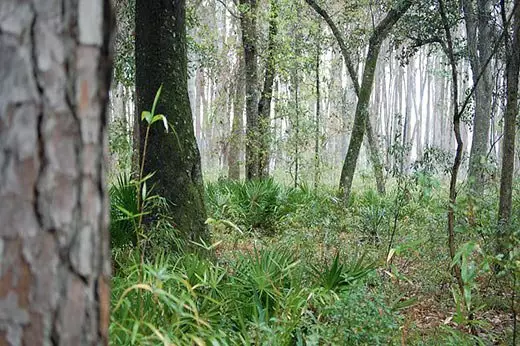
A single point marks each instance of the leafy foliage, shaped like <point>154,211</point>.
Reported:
<point>124,211</point>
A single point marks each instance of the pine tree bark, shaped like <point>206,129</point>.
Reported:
<point>161,59</point>
<point>55,64</point>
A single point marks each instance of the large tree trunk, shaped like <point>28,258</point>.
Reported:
<point>479,35</point>
<point>248,25</point>
<point>174,156</point>
<point>54,260</point>
<point>508,154</point>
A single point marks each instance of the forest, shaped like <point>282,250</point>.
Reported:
<point>259,172</point>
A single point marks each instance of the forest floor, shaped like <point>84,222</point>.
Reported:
<point>299,267</point>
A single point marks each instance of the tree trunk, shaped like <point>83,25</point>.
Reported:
<point>295,78</point>
<point>54,259</point>
<point>264,105</point>
<point>248,25</point>
<point>376,39</point>
<point>460,146</point>
<point>479,35</point>
<point>375,158</point>
<point>508,154</point>
<point>236,140</point>
<point>161,59</point>
<point>317,121</point>
<point>361,115</point>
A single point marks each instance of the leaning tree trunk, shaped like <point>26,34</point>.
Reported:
<point>54,249</point>
<point>386,24</point>
<point>161,59</point>
<point>365,90</point>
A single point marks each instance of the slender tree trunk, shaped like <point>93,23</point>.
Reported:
<point>479,35</point>
<point>173,156</point>
<point>376,39</point>
<point>199,91</point>
<point>373,147</point>
<point>249,38</point>
<point>296,83</point>
<point>458,155</point>
<point>236,140</point>
<point>264,105</point>
<point>54,257</point>
<point>508,146</point>
<point>317,121</point>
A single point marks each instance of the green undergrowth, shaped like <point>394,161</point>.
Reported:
<point>266,297</point>
<point>297,266</point>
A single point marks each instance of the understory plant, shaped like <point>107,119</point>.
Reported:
<point>267,297</point>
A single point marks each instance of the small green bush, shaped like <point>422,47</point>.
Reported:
<point>253,205</point>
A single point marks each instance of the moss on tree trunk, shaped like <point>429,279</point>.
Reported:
<point>161,58</point>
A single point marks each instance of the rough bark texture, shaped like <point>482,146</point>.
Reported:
<point>479,34</point>
<point>248,25</point>
<point>264,105</point>
<point>508,153</point>
<point>54,250</point>
<point>161,58</point>
<point>365,90</point>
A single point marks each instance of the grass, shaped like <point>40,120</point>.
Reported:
<point>294,266</point>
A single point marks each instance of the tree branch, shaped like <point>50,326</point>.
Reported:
<point>341,42</point>
<point>228,9</point>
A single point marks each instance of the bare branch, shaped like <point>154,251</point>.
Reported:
<point>339,37</point>
<point>231,12</point>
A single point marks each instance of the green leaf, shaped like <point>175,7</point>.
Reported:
<point>144,191</point>
<point>163,118</point>
<point>134,332</point>
<point>145,115</point>
<point>400,303</point>
<point>157,95</point>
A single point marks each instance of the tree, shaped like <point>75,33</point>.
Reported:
<point>264,105</point>
<point>363,91</point>
<point>236,138</point>
<point>249,38</point>
<point>512,44</point>
<point>479,36</point>
<point>54,258</point>
<point>161,59</point>
<point>258,104</point>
